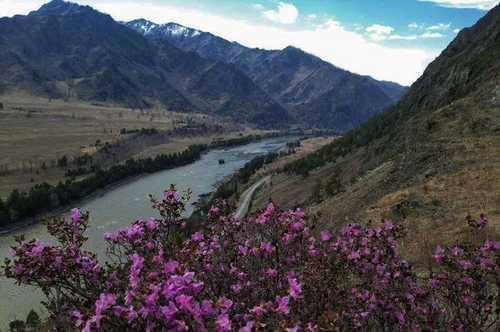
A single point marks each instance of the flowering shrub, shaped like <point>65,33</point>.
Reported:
<point>269,272</point>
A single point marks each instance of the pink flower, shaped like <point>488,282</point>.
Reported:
<point>214,212</point>
<point>295,290</point>
<point>184,302</point>
<point>283,305</point>
<point>36,250</point>
<point>456,251</point>
<point>258,310</point>
<point>198,236</point>
<point>243,250</point>
<point>223,323</point>
<point>75,215</point>
<point>354,255</point>
<point>248,326</point>
<point>111,237</point>
<point>236,288</point>
<point>271,273</point>
<point>264,217</point>
<point>287,238</point>
<point>207,308</point>
<point>171,266</point>
<point>172,196</point>
<point>78,317</point>
<point>468,281</point>
<point>400,317</point>
<point>439,255</point>
<point>152,224</point>
<point>465,264</point>
<point>225,304</point>
<point>325,236</point>
<point>297,226</point>
<point>388,225</point>
<point>267,247</point>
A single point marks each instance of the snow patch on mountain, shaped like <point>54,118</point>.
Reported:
<point>170,29</point>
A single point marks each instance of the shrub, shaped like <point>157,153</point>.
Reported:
<point>269,272</point>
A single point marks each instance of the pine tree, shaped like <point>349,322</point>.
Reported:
<point>33,320</point>
<point>4,214</point>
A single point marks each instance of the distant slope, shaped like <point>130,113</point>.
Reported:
<point>314,91</point>
<point>65,50</point>
<point>433,160</point>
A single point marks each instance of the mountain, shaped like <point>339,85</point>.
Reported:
<point>432,161</point>
<point>312,90</point>
<point>72,51</point>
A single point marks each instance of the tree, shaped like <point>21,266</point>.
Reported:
<point>63,162</point>
<point>316,192</point>
<point>33,320</point>
<point>333,185</point>
<point>4,214</point>
<point>17,326</point>
<point>17,204</point>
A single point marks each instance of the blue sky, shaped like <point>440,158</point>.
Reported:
<point>387,39</point>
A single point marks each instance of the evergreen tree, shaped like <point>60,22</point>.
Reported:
<point>17,326</point>
<point>33,320</point>
<point>4,214</point>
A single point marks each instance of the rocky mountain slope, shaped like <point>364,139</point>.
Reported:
<point>431,162</point>
<point>312,90</point>
<point>64,50</point>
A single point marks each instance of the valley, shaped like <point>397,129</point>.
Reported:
<point>156,176</point>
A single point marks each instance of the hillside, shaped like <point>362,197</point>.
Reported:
<point>64,50</point>
<point>432,161</point>
<point>314,91</point>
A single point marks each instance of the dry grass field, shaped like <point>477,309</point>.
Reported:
<point>35,132</point>
<point>432,185</point>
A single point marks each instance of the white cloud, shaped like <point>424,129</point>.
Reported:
<point>414,26</point>
<point>439,26</point>
<point>311,17</point>
<point>379,32</point>
<point>456,31</point>
<point>400,37</point>
<point>479,4</point>
<point>331,41</point>
<point>14,7</point>
<point>380,29</point>
<point>286,13</point>
<point>358,27</point>
<point>431,35</point>
<point>258,6</point>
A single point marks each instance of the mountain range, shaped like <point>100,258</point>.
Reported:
<point>64,50</point>
<point>312,90</point>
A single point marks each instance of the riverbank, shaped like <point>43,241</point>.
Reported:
<point>66,209</point>
<point>199,151</point>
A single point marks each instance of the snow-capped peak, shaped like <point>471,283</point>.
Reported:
<point>143,26</point>
<point>178,30</point>
<point>170,29</point>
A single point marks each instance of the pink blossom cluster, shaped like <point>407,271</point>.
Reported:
<point>272,271</point>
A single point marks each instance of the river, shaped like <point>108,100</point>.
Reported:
<point>118,207</point>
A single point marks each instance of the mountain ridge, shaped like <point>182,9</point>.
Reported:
<point>304,84</point>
